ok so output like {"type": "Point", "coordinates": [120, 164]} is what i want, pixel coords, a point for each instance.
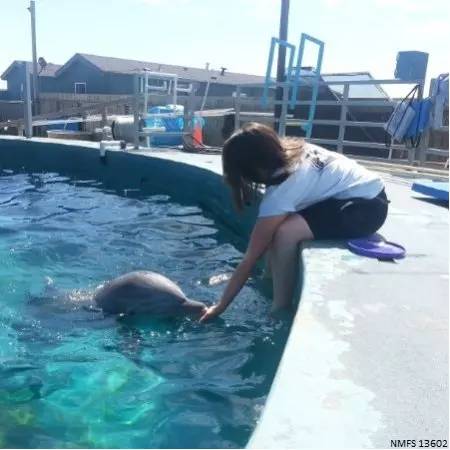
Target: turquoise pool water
{"type": "Point", "coordinates": [69, 379]}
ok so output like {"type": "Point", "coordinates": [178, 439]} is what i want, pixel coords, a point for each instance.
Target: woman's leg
{"type": "Point", "coordinates": [284, 258]}
{"type": "Point", "coordinates": [268, 264]}
{"type": "Point", "coordinates": [330, 219]}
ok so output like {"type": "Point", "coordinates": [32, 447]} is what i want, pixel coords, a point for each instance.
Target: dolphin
{"type": "Point", "coordinates": [145, 293]}
{"type": "Point", "coordinates": [139, 293]}
{"type": "Point", "coordinates": [117, 303]}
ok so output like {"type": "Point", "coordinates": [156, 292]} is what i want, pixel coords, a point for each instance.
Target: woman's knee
{"type": "Point", "coordinates": [293, 230]}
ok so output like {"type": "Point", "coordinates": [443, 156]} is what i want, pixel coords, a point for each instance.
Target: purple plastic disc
{"type": "Point", "coordinates": [378, 249]}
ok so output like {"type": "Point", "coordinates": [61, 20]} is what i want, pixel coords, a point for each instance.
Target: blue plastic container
{"type": "Point", "coordinates": [421, 118]}
{"type": "Point", "coordinates": [63, 126]}
{"type": "Point", "coordinates": [411, 65]}
{"type": "Point", "coordinates": [169, 123]}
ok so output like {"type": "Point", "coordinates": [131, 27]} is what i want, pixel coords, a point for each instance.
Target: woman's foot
{"type": "Point", "coordinates": [286, 313]}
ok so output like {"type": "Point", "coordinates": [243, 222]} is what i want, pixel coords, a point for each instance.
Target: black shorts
{"type": "Point", "coordinates": [346, 219]}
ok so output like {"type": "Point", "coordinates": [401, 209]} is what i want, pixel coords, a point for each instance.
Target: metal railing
{"type": "Point", "coordinates": [143, 78]}
{"type": "Point", "coordinates": [189, 113]}
{"type": "Point", "coordinates": [345, 102]}
{"type": "Point", "coordinates": [286, 119]}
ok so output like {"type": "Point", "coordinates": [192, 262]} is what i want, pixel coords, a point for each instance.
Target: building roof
{"type": "Point", "coordinates": [49, 70]}
{"type": "Point", "coordinates": [365, 91]}
{"type": "Point", "coordinates": [129, 66]}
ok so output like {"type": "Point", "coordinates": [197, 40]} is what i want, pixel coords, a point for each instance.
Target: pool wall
{"type": "Point", "coordinates": [365, 362]}
{"type": "Point", "coordinates": [165, 171]}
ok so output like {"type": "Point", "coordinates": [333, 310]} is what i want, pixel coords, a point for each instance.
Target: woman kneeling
{"type": "Point", "coordinates": [311, 193]}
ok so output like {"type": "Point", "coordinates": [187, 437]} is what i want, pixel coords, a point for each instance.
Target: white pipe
{"type": "Point", "coordinates": [173, 83]}
{"type": "Point", "coordinates": [187, 90]}
{"type": "Point", "coordinates": [151, 87]}
{"type": "Point", "coordinates": [206, 95]}
{"type": "Point", "coordinates": [161, 75]}
{"type": "Point", "coordinates": [175, 91]}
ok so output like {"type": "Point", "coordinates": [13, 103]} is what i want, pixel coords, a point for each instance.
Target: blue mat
{"type": "Point", "coordinates": [436, 189]}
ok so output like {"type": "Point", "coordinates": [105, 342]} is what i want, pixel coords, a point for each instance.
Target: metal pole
{"type": "Point", "coordinates": [136, 104]}
{"type": "Point", "coordinates": [32, 9]}
{"type": "Point", "coordinates": [237, 109]}
{"type": "Point", "coordinates": [425, 139]}
{"type": "Point", "coordinates": [284, 107]}
{"type": "Point", "coordinates": [145, 84]}
{"type": "Point", "coordinates": [28, 117]}
{"type": "Point", "coordinates": [343, 119]}
{"type": "Point", "coordinates": [281, 67]}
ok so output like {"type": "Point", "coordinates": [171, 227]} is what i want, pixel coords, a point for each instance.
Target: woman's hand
{"type": "Point", "coordinates": [211, 312]}
{"type": "Point", "coordinates": [261, 237]}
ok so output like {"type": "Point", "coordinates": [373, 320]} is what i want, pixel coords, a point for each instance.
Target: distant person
{"type": "Point", "coordinates": [311, 193]}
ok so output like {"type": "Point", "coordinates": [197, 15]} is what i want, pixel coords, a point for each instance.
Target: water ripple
{"type": "Point", "coordinates": [72, 380]}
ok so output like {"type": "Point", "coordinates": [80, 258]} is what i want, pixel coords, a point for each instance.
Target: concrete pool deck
{"type": "Point", "coordinates": [366, 362]}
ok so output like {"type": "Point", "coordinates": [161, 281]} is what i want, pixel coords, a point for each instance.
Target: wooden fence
{"type": "Point", "coordinates": [11, 110]}
{"type": "Point", "coordinates": [51, 103]}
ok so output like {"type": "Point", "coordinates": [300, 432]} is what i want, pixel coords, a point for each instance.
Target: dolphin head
{"type": "Point", "coordinates": [194, 308]}
{"type": "Point", "coordinates": [164, 307]}
{"type": "Point", "coordinates": [145, 293]}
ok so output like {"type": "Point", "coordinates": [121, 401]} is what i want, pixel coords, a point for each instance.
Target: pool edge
{"type": "Point", "coordinates": [310, 416]}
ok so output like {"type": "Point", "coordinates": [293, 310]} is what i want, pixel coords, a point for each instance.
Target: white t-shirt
{"type": "Point", "coordinates": [320, 175]}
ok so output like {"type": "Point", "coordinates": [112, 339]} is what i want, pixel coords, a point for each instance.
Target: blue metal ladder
{"type": "Point", "coordinates": [297, 79]}
{"type": "Point", "coordinates": [316, 79]}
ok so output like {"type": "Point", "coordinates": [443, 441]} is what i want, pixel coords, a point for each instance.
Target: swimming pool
{"type": "Point", "coordinates": [67, 381]}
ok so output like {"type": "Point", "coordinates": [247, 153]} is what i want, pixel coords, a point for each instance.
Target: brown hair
{"type": "Point", "coordinates": [251, 152]}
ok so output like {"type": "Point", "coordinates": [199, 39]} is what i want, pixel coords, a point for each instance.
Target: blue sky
{"type": "Point", "coordinates": [359, 34]}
